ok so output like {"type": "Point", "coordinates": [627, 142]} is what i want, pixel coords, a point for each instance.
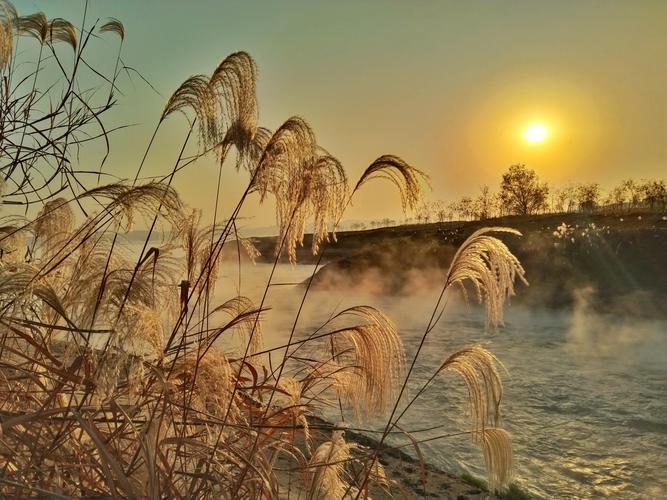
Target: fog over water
{"type": "Point", "coordinates": [585, 399]}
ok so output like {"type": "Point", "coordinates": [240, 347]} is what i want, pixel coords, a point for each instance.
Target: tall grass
{"type": "Point", "coordinates": [116, 375]}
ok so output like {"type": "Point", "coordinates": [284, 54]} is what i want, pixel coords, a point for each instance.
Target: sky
{"type": "Point", "coordinates": [449, 86]}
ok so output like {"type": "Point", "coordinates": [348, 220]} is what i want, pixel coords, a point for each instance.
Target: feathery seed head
{"type": "Point", "coordinates": [485, 263]}
{"type": "Point", "coordinates": [496, 444]}
{"type": "Point", "coordinates": [234, 83]}
{"type": "Point", "coordinates": [325, 475]}
{"type": "Point", "coordinates": [405, 177]}
{"type": "Point", "coordinates": [113, 25]}
{"type": "Point", "coordinates": [61, 30]}
{"type": "Point", "coordinates": [306, 182]}
{"type": "Point", "coordinates": [7, 27]}
{"type": "Point", "coordinates": [34, 25]}
{"type": "Point", "coordinates": [478, 368]}
{"type": "Point", "coordinates": [196, 94]}
{"type": "Point", "coordinates": [53, 225]}
{"type": "Point", "coordinates": [376, 349]}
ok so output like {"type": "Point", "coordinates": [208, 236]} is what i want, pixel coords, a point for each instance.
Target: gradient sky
{"type": "Point", "coordinates": [450, 86]}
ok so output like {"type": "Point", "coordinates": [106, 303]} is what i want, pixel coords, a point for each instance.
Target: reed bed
{"type": "Point", "coordinates": [116, 378]}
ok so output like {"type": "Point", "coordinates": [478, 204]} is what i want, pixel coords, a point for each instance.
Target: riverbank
{"type": "Point", "coordinates": [407, 477]}
{"type": "Point", "coordinates": [613, 258]}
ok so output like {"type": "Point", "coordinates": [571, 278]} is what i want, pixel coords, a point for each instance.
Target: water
{"type": "Point", "coordinates": [585, 401]}
{"type": "Point", "coordinates": [584, 423]}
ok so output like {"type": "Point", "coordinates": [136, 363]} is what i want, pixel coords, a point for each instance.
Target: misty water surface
{"type": "Point", "coordinates": [585, 397]}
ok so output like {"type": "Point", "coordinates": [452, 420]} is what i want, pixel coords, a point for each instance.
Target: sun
{"type": "Point", "coordinates": [536, 132]}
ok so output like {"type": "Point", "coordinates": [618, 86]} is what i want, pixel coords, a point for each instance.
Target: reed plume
{"type": "Point", "coordinates": [7, 23]}
{"type": "Point", "coordinates": [497, 446]}
{"type": "Point", "coordinates": [34, 25]}
{"type": "Point", "coordinates": [113, 25]}
{"type": "Point", "coordinates": [250, 248]}
{"type": "Point", "coordinates": [292, 391]}
{"type": "Point", "coordinates": [306, 183]}
{"type": "Point", "coordinates": [375, 349]}
{"type": "Point", "coordinates": [53, 225]}
{"type": "Point", "coordinates": [24, 292]}
{"type": "Point", "coordinates": [405, 177]}
{"type": "Point", "coordinates": [55, 218]}
{"type": "Point", "coordinates": [7, 27]}
{"type": "Point", "coordinates": [198, 243]}
{"type": "Point", "coordinates": [288, 147]}
{"type": "Point", "coordinates": [244, 319]}
{"type": "Point", "coordinates": [326, 469]}
{"type": "Point", "coordinates": [485, 263]}
{"type": "Point", "coordinates": [13, 236]}
{"type": "Point", "coordinates": [61, 30]}
{"type": "Point", "coordinates": [142, 331]}
{"type": "Point", "coordinates": [234, 82]}
{"type": "Point", "coordinates": [195, 95]}
{"type": "Point", "coordinates": [478, 369]}
{"type": "Point", "coordinates": [212, 379]}
{"type": "Point", "coordinates": [148, 199]}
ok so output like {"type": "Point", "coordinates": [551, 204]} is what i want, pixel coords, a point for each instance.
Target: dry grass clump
{"type": "Point", "coordinates": [48, 110]}
{"type": "Point", "coordinates": [117, 376]}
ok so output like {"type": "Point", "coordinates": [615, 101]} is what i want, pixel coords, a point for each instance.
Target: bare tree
{"type": "Point", "coordinates": [522, 192]}
{"type": "Point", "coordinates": [588, 196]}
{"type": "Point", "coordinates": [424, 212]}
{"type": "Point", "coordinates": [465, 208]}
{"type": "Point", "coordinates": [485, 204]}
{"type": "Point", "coordinates": [440, 211]}
{"type": "Point", "coordinates": [654, 193]}
{"type": "Point", "coordinates": [617, 196]}
{"type": "Point", "coordinates": [631, 190]}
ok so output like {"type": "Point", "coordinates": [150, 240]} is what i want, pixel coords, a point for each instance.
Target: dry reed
{"type": "Point", "coordinates": [116, 377]}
